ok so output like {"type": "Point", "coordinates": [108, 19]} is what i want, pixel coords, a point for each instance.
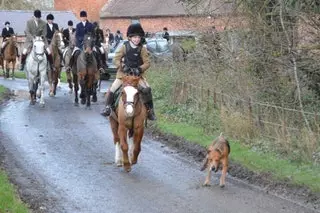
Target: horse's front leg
{"type": "Point", "coordinates": [137, 138]}
{"type": "Point", "coordinates": [32, 92]}
{"type": "Point", "coordinates": [116, 140]}
{"type": "Point", "coordinates": [124, 146]}
{"type": "Point", "coordinates": [69, 79]}
{"type": "Point", "coordinates": [88, 96]}
{"type": "Point", "coordinates": [13, 66]}
{"type": "Point", "coordinates": [41, 88]}
{"type": "Point", "coordinates": [76, 89]}
{"type": "Point", "coordinates": [7, 70]}
{"type": "Point", "coordinates": [56, 79]}
{"type": "Point", "coordinates": [50, 81]}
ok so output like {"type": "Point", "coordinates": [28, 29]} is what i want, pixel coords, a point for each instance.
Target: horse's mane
{"type": "Point", "coordinates": [130, 80]}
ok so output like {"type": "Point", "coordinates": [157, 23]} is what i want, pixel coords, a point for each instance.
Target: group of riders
{"type": "Point", "coordinates": [131, 56]}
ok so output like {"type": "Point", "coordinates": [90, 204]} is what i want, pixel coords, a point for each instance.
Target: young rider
{"type": "Point", "coordinates": [132, 55]}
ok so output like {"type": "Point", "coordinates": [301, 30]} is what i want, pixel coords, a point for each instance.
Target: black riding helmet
{"type": "Point", "coordinates": [70, 23]}
{"type": "Point", "coordinates": [50, 17]}
{"type": "Point", "coordinates": [83, 13]}
{"type": "Point", "coordinates": [135, 30]}
{"type": "Point", "coordinates": [37, 13]}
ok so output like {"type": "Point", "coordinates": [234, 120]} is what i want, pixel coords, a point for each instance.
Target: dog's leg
{"type": "Point", "coordinates": [224, 172]}
{"type": "Point", "coordinates": [207, 182]}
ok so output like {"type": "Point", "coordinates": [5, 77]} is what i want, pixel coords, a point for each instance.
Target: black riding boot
{"type": "Point", "coordinates": [151, 115]}
{"type": "Point", "coordinates": [148, 101]}
{"type": "Point", "coordinates": [18, 55]}
{"type": "Point", "coordinates": [23, 61]}
{"type": "Point", "coordinates": [107, 110]}
{"type": "Point", "coordinates": [104, 61]}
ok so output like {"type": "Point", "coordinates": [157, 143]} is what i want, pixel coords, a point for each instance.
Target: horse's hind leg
{"type": "Point", "coordinates": [88, 96]}
{"type": "Point", "coordinates": [7, 70]}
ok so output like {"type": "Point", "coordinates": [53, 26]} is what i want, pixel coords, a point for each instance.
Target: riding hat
{"type": "Point", "coordinates": [135, 30]}
{"type": "Point", "coordinates": [7, 23]}
{"type": "Point", "coordinates": [37, 13]}
{"type": "Point", "coordinates": [83, 13]}
{"type": "Point", "coordinates": [70, 23]}
{"type": "Point", "coordinates": [50, 17]}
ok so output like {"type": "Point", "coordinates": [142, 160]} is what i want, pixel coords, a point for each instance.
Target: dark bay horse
{"type": "Point", "coordinates": [10, 55]}
{"type": "Point", "coordinates": [85, 73]}
{"type": "Point", "coordinates": [56, 47]}
{"type": "Point", "coordinates": [127, 122]}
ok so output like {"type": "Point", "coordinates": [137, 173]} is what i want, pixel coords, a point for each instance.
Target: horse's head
{"type": "Point", "coordinates": [38, 48]}
{"type": "Point", "coordinates": [57, 39]}
{"type": "Point", "coordinates": [72, 40]}
{"type": "Point", "coordinates": [88, 42]}
{"type": "Point", "coordinates": [130, 94]}
{"type": "Point", "coordinates": [13, 39]}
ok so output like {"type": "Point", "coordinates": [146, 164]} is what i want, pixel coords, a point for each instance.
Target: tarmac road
{"type": "Point", "coordinates": [62, 159]}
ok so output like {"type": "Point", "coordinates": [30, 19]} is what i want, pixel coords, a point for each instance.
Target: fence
{"type": "Point", "coordinates": [243, 118]}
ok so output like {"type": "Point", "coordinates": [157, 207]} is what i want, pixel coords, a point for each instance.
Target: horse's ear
{"type": "Point", "coordinates": [61, 29]}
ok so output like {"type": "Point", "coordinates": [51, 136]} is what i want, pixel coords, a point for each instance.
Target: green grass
{"type": "Point", "coordinates": [22, 75]}
{"type": "Point", "coordinates": [9, 202]}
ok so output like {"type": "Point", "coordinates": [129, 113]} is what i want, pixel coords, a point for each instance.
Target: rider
{"type": "Point", "coordinates": [84, 27]}
{"type": "Point", "coordinates": [7, 31]}
{"type": "Point", "coordinates": [99, 39]}
{"type": "Point", "coordinates": [35, 27]}
{"type": "Point", "coordinates": [51, 27]}
{"type": "Point", "coordinates": [67, 32]}
{"type": "Point", "coordinates": [135, 55]}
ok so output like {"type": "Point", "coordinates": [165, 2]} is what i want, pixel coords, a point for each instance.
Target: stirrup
{"type": "Point", "coordinates": [106, 111]}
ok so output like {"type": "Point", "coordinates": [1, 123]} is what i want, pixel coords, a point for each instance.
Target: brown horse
{"type": "Point", "coordinates": [56, 46]}
{"type": "Point", "coordinates": [128, 121]}
{"type": "Point", "coordinates": [10, 55]}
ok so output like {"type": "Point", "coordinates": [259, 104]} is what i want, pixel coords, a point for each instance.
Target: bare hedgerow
{"type": "Point", "coordinates": [264, 65]}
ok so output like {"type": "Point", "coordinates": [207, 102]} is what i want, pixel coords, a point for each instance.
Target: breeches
{"type": "Point", "coordinates": [118, 82]}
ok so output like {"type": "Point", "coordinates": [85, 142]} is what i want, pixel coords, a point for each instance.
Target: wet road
{"type": "Point", "coordinates": [69, 151]}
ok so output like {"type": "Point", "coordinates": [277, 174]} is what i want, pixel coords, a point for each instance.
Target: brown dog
{"type": "Point", "coordinates": [217, 153]}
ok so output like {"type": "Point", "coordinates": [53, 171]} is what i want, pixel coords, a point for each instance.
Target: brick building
{"type": "Point", "coordinates": [154, 15]}
{"type": "Point", "coordinates": [92, 7]}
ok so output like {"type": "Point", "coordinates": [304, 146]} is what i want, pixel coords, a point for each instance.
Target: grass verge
{"type": "Point", "coordinates": [22, 75]}
{"type": "Point", "coordinates": [264, 162]}
{"type": "Point", "coordinates": [9, 201]}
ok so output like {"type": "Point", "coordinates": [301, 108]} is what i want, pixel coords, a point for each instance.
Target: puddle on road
{"type": "Point", "coordinates": [20, 94]}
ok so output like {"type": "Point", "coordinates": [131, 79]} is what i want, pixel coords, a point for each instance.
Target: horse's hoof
{"type": "Point", "coordinates": [119, 164]}
{"type": "Point", "coordinates": [51, 94]}
{"type": "Point", "coordinates": [222, 186]}
{"type": "Point", "coordinates": [88, 107]}
{"type": "Point", "coordinates": [83, 101]}
{"type": "Point", "coordinates": [76, 104]}
{"type": "Point", "coordinates": [32, 102]}
{"type": "Point", "coordinates": [42, 105]}
{"type": "Point", "coordinates": [127, 168]}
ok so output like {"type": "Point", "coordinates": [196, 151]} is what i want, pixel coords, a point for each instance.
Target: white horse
{"type": "Point", "coordinates": [36, 69]}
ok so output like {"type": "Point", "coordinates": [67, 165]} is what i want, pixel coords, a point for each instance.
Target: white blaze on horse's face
{"type": "Point", "coordinates": [62, 45]}
{"type": "Point", "coordinates": [130, 93]}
